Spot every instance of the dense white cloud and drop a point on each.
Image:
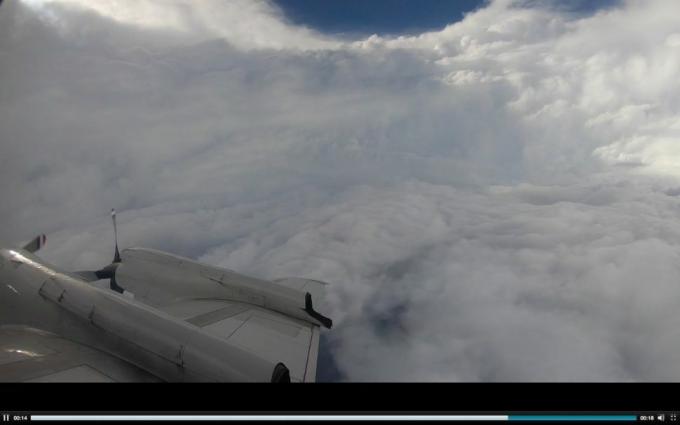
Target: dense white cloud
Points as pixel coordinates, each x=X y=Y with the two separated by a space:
x=245 y=23
x=493 y=201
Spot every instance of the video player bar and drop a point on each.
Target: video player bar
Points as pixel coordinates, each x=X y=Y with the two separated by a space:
x=348 y=418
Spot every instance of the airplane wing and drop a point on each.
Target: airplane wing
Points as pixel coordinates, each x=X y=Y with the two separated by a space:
x=316 y=288
x=273 y=320
x=32 y=355
x=267 y=334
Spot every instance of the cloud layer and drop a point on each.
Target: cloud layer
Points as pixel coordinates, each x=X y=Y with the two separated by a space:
x=496 y=201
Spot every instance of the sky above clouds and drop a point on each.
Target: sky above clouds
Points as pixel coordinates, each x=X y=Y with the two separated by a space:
x=357 y=18
x=491 y=199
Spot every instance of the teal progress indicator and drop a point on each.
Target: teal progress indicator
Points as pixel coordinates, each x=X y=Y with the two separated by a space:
x=346 y=418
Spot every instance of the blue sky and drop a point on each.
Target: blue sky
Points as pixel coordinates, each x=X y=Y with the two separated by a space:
x=376 y=16
x=400 y=16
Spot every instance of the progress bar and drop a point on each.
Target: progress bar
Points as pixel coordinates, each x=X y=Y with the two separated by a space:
x=336 y=418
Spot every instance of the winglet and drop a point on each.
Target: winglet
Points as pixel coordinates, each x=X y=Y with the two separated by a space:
x=37 y=243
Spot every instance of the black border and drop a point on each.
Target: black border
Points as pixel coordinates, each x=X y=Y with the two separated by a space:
x=339 y=398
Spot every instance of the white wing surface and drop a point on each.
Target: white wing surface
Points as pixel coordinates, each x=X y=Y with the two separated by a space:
x=31 y=355
x=273 y=320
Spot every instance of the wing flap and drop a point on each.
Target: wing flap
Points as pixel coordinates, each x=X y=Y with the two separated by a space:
x=265 y=333
x=273 y=338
